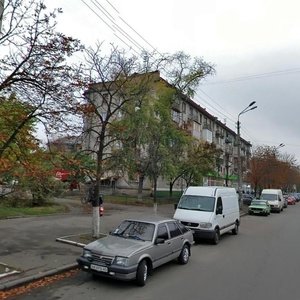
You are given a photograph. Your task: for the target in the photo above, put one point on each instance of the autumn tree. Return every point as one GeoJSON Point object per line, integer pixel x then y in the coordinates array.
{"type": "Point", "coordinates": [269, 169]}
{"type": "Point", "coordinates": [23, 141]}
{"type": "Point", "coordinates": [35, 66]}
{"type": "Point", "coordinates": [23, 162]}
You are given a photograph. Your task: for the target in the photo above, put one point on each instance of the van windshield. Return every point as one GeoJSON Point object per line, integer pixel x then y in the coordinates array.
{"type": "Point", "coordinates": [202, 203]}
{"type": "Point", "coordinates": [269, 197]}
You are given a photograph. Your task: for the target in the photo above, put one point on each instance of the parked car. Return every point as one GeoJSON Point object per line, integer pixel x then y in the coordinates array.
{"type": "Point", "coordinates": [136, 247]}
{"type": "Point", "coordinates": [291, 200]}
{"type": "Point", "coordinates": [297, 196]}
{"type": "Point", "coordinates": [259, 207]}
{"type": "Point", "coordinates": [247, 198]}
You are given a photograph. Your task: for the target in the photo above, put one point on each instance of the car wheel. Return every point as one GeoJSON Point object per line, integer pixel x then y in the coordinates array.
{"type": "Point", "coordinates": [142, 273]}
{"type": "Point", "coordinates": [216, 237]}
{"type": "Point", "coordinates": [184, 255]}
{"type": "Point", "coordinates": [235, 230]}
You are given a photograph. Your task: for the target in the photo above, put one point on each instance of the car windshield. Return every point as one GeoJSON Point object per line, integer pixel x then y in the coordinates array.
{"type": "Point", "coordinates": [269, 197]}
{"type": "Point", "coordinates": [202, 203]}
{"type": "Point", "coordinates": [135, 230]}
{"type": "Point", "coordinates": [258, 202]}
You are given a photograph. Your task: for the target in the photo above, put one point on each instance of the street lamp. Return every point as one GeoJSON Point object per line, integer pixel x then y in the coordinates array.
{"type": "Point", "coordinates": [248, 108]}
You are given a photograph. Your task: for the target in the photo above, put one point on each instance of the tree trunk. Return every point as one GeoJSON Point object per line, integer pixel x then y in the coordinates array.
{"type": "Point", "coordinates": [171, 188]}
{"type": "Point", "coordinates": [96, 222]}
{"type": "Point", "coordinates": [140, 187]}
{"type": "Point", "coordinates": [154, 196]}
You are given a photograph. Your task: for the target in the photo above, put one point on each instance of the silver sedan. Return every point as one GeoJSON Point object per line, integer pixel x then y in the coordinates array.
{"type": "Point", "coordinates": [136, 247]}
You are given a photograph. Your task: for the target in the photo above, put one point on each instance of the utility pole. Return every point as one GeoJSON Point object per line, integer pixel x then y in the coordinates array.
{"type": "Point", "coordinates": [248, 108]}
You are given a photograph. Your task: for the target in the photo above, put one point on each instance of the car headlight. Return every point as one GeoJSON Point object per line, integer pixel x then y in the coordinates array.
{"type": "Point", "coordinates": [121, 261]}
{"type": "Point", "coordinates": [87, 253]}
{"type": "Point", "coordinates": [205, 225]}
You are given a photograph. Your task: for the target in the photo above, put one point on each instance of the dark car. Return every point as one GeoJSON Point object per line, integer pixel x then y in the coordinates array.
{"type": "Point", "coordinates": [136, 247]}
{"type": "Point", "coordinates": [247, 199]}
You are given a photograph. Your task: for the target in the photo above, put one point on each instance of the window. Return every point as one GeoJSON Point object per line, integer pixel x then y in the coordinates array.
{"type": "Point", "coordinates": [219, 205]}
{"type": "Point", "coordinates": [162, 232]}
{"type": "Point", "coordinates": [175, 116]}
{"type": "Point", "coordinates": [182, 227]}
{"type": "Point", "coordinates": [174, 230]}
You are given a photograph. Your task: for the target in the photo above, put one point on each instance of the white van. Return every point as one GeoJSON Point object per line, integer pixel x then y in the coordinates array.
{"type": "Point", "coordinates": [209, 211]}
{"type": "Point", "coordinates": [274, 197]}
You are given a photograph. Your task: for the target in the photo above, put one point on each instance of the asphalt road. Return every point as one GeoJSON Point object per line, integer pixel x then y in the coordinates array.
{"type": "Point", "coordinates": [262, 262]}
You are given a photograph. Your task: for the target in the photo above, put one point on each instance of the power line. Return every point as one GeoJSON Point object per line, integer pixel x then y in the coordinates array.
{"type": "Point", "coordinates": [257, 76]}
{"type": "Point", "coordinates": [115, 27]}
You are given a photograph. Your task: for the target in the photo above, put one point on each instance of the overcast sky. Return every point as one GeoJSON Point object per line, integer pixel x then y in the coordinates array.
{"type": "Point", "coordinates": [254, 45]}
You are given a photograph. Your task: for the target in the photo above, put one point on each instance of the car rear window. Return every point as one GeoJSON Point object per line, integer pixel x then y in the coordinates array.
{"type": "Point", "coordinates": [174, 229]}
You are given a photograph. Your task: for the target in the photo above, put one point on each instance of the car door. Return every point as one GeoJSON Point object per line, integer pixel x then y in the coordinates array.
{"type": "Point", "coordinates": [176, 238]}
{"type": "Point", "coordinates": [161, 251]}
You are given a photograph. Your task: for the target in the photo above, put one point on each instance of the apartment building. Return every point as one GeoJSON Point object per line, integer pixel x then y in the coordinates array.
{"type": "Point", "coordinates": [204, 126]}
{"type": "Point", "coordinates": [198, 122]}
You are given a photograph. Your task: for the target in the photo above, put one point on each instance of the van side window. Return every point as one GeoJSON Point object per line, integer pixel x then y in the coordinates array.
{"type": "Point", "coordinates": [219, 205]}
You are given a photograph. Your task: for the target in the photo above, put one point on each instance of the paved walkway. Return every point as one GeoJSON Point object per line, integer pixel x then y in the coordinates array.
{"type": "Point", "coordinates": [34, 247]}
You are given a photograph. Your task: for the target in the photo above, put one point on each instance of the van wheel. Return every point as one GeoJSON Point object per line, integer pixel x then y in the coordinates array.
{"type": "Point", "coordinates": [216, 238]}
{"type": "Point", "coordinates": [142, 273]}
{"type": "Point", "coordinates": [235, 230]}
{"type": "Point", "coordinates": [184, 255]}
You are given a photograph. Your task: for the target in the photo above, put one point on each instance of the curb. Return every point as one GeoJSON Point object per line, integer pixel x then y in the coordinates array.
{"type": "Point", "coordinates": [22, 281]}
{"type": "Point", "coordinates": [65, 241]}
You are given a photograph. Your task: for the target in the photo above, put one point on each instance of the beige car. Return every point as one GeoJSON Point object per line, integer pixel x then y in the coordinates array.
{"type": "Point", "coordinates": [136, 247]}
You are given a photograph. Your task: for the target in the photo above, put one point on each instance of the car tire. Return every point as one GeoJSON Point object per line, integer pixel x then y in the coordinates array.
{"type": "Point", "coordinates": [142, 273]}
{"type": "Point", "coordinates": [184, 255]}
{"type": "Point", "coordinates": [235, 230]}
{"type": "Point", "coordinates": [216, 237]}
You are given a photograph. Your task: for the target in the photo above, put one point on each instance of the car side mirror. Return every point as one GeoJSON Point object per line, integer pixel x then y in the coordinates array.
{"type": "Point", "coordinates": [175, 205]}
{"type": "Point", "coordinates": [159, 241]}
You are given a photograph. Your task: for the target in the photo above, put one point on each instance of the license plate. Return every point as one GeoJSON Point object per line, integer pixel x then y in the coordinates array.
{"type": "Point", "coordinates": [99, 268]}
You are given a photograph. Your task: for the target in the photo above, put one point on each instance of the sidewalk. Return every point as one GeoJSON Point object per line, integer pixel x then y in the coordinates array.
{"type": "Point", "coordinates": [35, 247]}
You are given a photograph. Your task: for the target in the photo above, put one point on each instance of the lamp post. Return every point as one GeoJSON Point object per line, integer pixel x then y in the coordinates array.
{"type": "Point", "coordinates": [248, 108]}
{"type": "Point", "coordinates": [228, 149]}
